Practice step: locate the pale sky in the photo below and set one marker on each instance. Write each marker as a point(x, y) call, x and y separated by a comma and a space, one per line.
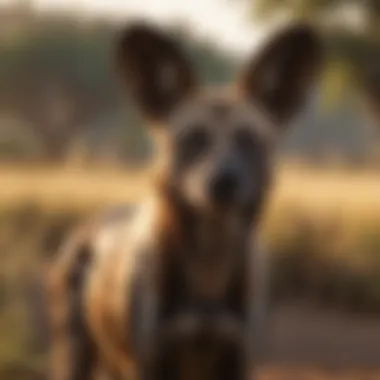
point(224, 21)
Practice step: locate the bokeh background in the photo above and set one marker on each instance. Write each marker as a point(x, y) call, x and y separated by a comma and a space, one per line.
point(70, 146)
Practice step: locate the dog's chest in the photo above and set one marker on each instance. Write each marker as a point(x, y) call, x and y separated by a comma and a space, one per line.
point(210, 279)
point(213, 261)
point(209, 274)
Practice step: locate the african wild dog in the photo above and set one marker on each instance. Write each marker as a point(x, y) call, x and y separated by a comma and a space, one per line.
point(136, 295)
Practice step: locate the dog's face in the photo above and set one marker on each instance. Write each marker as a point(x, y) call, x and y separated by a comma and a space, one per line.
point(219, 142)
point(220, 152)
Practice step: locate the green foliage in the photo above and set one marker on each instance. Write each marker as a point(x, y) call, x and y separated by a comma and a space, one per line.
point(357, 53)
point(300, 8)
point(70, 63)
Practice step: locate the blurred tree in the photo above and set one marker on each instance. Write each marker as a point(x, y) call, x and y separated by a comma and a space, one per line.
point(352, 34)
point(56, 75)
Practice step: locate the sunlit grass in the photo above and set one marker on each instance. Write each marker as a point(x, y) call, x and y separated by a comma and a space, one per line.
point(322, 228)
point(354, 195)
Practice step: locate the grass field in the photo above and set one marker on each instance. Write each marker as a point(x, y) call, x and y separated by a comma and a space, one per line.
point(322, 228)
point(351, 193)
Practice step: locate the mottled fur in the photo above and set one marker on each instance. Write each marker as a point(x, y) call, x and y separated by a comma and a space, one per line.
point(167, 291)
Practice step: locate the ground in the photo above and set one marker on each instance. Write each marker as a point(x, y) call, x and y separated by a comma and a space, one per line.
point(310, 344)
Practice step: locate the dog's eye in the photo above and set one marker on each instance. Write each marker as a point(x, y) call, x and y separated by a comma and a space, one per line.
point(194, 143)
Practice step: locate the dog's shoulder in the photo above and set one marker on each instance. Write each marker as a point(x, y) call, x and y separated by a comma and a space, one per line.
point(91, 239)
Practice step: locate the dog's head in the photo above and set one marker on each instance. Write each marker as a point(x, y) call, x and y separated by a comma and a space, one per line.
point(218, 141)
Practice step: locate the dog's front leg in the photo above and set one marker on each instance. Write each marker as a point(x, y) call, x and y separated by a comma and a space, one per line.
point(145, 311)
point(257, 308)
point(148, 333)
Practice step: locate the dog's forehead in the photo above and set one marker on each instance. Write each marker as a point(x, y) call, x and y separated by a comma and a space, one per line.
point(221, 108)
point(209, 104)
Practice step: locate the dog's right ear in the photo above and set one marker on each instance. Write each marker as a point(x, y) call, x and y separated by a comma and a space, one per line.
point(282, 75)
point(155, 71)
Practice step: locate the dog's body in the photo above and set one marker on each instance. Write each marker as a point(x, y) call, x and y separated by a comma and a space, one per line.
point(98, 286)
point(168, 292)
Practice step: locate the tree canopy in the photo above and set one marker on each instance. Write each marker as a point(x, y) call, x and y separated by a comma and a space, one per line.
point(351, 30)
point(56, 75)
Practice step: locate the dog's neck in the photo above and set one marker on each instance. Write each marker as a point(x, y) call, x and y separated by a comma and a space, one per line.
point(211, 247)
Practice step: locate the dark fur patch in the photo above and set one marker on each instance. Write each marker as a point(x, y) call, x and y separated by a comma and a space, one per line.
point(74, 352)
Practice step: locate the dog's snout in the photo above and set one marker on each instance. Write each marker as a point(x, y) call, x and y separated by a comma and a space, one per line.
point(223, 187)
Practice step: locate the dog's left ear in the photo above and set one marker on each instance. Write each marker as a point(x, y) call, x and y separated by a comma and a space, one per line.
point(280, 77)
point(155, 72)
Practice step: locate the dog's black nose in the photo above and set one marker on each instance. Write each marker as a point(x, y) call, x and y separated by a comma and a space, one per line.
point(223, 188)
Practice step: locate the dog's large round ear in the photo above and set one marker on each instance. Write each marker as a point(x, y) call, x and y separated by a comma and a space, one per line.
point(282, 74)
point(154, 70)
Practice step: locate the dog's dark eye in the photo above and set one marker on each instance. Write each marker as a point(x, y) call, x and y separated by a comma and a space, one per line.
point(245, 141)
point(194, 143)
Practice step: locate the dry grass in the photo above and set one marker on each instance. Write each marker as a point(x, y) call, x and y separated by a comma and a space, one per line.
point(71, 187)
point(322, 227)
point(313, 373)
point(334, 208)
point(316, 218)
point(353, 194)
